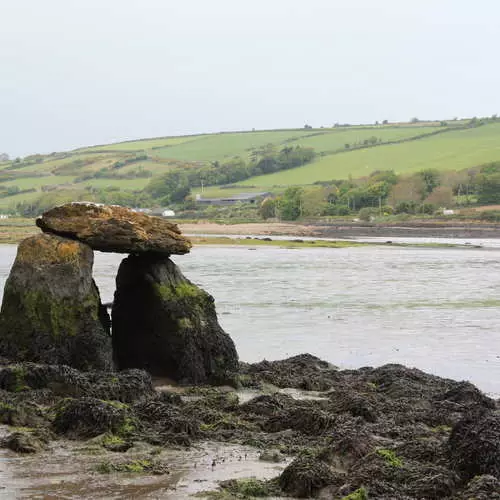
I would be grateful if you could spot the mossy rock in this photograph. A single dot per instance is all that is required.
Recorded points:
(51, 310)
(168, 326)
(90, 417)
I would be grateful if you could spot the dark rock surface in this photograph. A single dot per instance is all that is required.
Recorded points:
(51, 310)
(438, 439)
(168, 326)
(111, 228)
(474, 445)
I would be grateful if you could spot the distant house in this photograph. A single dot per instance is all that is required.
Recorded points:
(233, 199)
(142, 210)
(163, 212)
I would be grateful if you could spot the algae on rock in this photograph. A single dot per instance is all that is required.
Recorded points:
(167, 325)
(51, 310)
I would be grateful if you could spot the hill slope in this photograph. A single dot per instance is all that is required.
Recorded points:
(341, 152)
(454, 150)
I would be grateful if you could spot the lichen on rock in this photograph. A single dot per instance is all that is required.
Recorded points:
(111, 228)
(168, 326)
(51, 310)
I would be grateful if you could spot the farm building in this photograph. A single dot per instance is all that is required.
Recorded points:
(233, 199)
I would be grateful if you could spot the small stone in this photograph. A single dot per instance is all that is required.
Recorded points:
(111, 228)
(24, 442)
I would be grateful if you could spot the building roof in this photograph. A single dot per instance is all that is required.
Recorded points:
(236, 197)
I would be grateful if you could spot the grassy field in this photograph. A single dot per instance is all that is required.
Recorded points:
(448, 149)
(454, 150)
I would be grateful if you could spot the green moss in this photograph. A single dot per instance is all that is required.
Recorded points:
(360, 494)
(390, 457)
(110, 440)
(227, 421)
(185, 323)
(128, 427)
(239, 488)
(6, 407)
(19, 373)
(183, 290)
(61, 317)
(441, 428)
(116, 404)
(22, 429)
(133, 466)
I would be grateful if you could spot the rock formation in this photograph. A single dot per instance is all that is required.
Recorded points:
(167, 325)
(51, 310)
(114, 229)
(162, 322)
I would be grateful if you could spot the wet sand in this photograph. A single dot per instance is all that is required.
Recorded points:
(68, 470)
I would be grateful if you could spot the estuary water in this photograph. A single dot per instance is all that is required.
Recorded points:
(437, 309)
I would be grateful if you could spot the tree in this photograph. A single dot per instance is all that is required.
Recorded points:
(431, 179)
(488, 188)
(290, 204)
(314, 201)
(442, 196)
(408, 189)
(267, 209)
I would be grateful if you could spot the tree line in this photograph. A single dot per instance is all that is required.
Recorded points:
(386, 193)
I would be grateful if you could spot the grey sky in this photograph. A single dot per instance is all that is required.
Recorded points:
(82, 72)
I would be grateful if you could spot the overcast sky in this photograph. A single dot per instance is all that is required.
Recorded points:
(83, 72)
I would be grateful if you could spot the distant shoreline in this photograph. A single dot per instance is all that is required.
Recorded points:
(346, 230)
(12, 231)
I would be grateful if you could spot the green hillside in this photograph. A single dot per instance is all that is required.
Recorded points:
(453, 150)
(341, 152)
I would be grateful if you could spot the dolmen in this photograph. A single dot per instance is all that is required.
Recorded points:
(161, 322)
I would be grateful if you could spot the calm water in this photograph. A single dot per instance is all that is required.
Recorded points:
(435, 309)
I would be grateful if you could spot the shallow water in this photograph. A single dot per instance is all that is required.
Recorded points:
(68, 470)
(435, 309)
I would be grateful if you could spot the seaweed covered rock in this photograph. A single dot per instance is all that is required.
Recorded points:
(303, 371)
(474, 445)
(483, 487)
(111, 228)
(126, 386)
(167, 325)
(385, 474)
(25, 441)
(51, 310)
(307, 475)
(90, 417)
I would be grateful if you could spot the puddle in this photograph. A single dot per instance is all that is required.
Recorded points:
(66, 471)
(244, 395)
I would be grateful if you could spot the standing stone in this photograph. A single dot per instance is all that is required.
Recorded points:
(110, 228)
(166, 325)
(51, 310)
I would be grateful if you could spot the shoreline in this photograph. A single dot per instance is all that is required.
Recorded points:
(12, 231)
(346, 230)
(389, 431)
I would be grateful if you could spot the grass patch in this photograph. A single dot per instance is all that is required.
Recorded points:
(455, 150)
